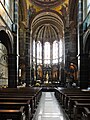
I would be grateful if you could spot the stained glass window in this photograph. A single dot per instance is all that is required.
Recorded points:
(47, 53)
(60, 51)
(34, 50)
(39, 52)
(55, 52)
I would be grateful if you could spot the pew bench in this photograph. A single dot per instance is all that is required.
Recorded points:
(72, 101)
(21, 96)
(78, 109)
(35, 93)
(16, 113)
(21, 100)
(73, 95)
(68, 96)
(68, 91)
(16, 106)
(12, 114)
(86, 114)
(63, 93)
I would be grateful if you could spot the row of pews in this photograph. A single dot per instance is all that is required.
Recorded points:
(75, 101)
(19, 103)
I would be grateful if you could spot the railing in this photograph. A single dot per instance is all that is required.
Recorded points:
(4, 14)
(86, 22)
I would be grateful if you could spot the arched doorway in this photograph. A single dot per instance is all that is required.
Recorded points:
(5, 50)
(3, 66)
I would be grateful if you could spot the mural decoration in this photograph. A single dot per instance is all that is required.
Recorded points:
(64, 10)
(3, 66)
(31, 11)
(48, 3)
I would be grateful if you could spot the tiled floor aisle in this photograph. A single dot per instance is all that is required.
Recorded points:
(49, 109)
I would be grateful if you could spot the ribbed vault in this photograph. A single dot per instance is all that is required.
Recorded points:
(47, 3)
(47, 26)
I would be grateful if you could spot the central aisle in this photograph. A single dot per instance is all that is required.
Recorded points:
(49, 108)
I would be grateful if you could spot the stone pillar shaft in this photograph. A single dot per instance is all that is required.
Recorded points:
(84, 71)
(27, 57)
(12, 71)
(82, 57)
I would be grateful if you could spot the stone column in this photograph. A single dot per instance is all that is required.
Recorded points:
(84, 71)
(31, 59)
(67, 46)
(27, 57)
(13, 57)
(31, 55)
(67, 54)
(73, 41)
(82, 57)
(12, 71)
(62, 65)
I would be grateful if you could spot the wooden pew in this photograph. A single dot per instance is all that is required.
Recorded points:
(86, 114)
(12, 114)
(33, 93)
(68, 104)
(65, 91)
(72, 101)
(78, 109)
(64, 95)
(72, 92)
(24, 101)
(16, 106)
(77, 95)
(68, 91)
(21, 95)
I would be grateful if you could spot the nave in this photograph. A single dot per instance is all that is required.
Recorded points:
(49, 109)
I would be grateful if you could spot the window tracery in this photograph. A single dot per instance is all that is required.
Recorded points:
(55, 48)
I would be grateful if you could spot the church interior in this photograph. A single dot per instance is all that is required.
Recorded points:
(44, 59)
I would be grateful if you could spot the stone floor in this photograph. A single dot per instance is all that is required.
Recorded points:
(49, 109)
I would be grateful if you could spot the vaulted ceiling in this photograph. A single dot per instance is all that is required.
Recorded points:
(49, 18)
(52, 4)
(47, 25)
(48, 3)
